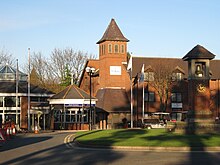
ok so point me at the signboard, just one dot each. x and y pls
(115, 70)
(79, 105)
(177, 105)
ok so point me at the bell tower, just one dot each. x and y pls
(198, 81)
(112, 57)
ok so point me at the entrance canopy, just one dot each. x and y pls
(72, 96)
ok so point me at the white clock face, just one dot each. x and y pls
(115, 70)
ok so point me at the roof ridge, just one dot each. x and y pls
(78, 91)
(66, 92)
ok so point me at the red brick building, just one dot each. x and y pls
(192, 84)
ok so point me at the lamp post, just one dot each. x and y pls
(90, 71)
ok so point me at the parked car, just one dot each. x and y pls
(153, 123)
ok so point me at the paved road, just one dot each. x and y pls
(56, 148)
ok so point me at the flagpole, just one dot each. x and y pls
(131, 101)
(129, 69)
(29, 122)
(17, 93)
(143, 95)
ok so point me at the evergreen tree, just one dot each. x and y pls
(66, 80)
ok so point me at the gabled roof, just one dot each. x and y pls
(72, 92)
(89, 63)
(178, 69)
(198, 52)
(113, 33)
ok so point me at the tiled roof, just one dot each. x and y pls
(198, 52)
(174, 63)
(112, 33)
(151, 62)
(72, 92)
(113, 100)
(10, 87)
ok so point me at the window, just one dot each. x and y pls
(103, 49)
(122, 49)
(116, 49)
(109, 48)
(11, 101)
(176, 97)
(149, 96)
(1, 101)
(177, 76)
(148, 76)
(100, 50)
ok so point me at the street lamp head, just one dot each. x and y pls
(90, 70)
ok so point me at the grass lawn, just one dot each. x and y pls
(144, 137)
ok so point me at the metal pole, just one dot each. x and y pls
(131, 100)
(17, 93)
(29, 122)
(90, 101)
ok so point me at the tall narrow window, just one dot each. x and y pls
(122, 49)
(116, 49)
(100, 49)
(109, 48)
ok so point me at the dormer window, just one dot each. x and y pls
(148, 76)
(177, 76)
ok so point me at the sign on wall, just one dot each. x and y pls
(177, 105)
(115, 70)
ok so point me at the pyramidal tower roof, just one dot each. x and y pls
(112, 33)
(198, 52)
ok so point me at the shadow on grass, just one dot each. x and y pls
(108, 138)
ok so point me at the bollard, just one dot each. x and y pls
(13, 131)
(36, 129)
(8, 133)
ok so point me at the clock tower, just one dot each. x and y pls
(198, 82)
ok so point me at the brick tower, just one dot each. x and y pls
(112, 57)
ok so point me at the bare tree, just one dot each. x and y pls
(162, 83)
(50, 73)
(75, 60)
(6, 57)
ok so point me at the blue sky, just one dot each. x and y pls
(155, 28)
